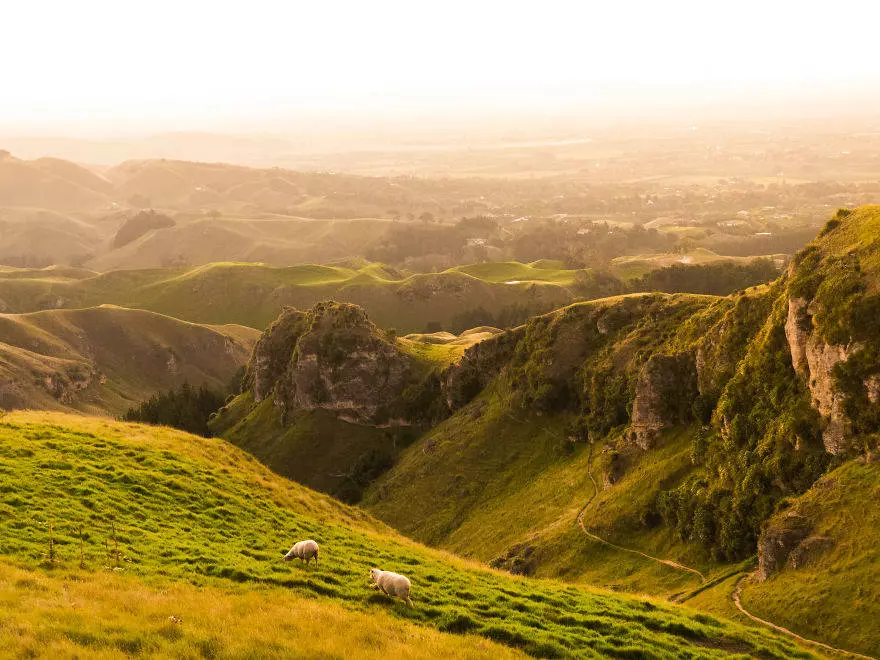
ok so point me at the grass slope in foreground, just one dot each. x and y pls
(192, 512)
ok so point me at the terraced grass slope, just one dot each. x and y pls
(188, 532)
(254, 294)
(106, 359)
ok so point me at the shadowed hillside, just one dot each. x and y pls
(107, 359)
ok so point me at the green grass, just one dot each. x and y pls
(253, 294)
(634, 266)
(503, 272)
(834, 596)
(311, 446)
(467, 494)
(195, 511)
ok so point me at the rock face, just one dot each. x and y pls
(814, 360)
(808, 550)
(778, 541)
(273, 351)
(331, 358)
(665, 391)
(462, 381)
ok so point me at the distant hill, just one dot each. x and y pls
(52, 184)
(171, 544)
(38, 237)
(106, 359)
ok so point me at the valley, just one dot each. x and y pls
(579, 434)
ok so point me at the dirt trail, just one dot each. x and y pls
(738, 602)
(580, 521)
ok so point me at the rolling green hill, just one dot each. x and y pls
(106, 359)
(254, 294)
(125, 539)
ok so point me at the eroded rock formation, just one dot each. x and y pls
(665, 391)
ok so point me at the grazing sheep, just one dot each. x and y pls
(392, 584)
(304, 550)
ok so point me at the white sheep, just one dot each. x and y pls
(304, 550)
(392, 584)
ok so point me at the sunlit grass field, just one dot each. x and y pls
(176, 525)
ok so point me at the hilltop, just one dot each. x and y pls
(106, 359)
(189, 531)
(216, 212)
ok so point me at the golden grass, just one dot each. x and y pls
(106, 615)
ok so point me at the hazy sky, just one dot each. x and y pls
(94, 65)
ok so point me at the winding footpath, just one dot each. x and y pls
(737, 600)
(580, 521)
(736, 595)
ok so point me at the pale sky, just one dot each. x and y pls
(191, 64)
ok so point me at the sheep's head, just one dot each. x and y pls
(374, 573)
(289, 555)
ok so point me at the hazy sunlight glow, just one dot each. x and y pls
(180, 64)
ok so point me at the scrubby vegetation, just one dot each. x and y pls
(187, 408)
(719, 279)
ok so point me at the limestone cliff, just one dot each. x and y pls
(814, 360)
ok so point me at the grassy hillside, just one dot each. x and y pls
(469, 488)
(161, 510)
(49, 183)
(106, 359)
(33, 237)
(833, 592)
(633, 266)
(679, 427)
(276, 240)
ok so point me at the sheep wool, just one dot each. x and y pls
(392, 584)
(304, 550)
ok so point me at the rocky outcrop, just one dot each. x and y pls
(331, 358)
(814, 360)
(808, 551)
(64, 385)
(665, 391)
(520, 559)
(778, 540)
(273, 352)
(614, 466)
(462, 381)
